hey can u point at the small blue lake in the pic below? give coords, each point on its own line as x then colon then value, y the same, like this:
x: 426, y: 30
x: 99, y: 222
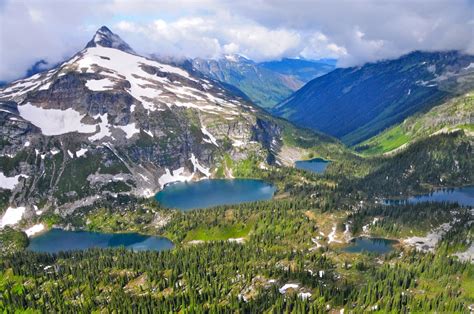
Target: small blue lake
x: 208, y: 193
x: 372, y: 245
x: 316, y: 165
x: 56, y: 240
x: 464, y: 196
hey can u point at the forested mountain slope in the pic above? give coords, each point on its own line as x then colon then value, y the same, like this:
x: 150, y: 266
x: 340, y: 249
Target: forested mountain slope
x: 302, y: 69
x: 441, y: 160
x: 454, y: 114
x: 356, y: 103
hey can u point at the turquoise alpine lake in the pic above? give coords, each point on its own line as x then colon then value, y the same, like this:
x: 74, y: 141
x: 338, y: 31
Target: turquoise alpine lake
x: 372, y: 245
x: 57, y: 240
x: 463, y: 196
x: 316, y: 165
x: 213, y: 192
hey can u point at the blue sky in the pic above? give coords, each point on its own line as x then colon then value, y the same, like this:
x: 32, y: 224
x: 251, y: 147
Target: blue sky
x: 354, y: 31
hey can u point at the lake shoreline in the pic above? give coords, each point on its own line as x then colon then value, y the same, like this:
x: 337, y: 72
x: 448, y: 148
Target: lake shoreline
x: 56, y: 240
x: 187, y: 196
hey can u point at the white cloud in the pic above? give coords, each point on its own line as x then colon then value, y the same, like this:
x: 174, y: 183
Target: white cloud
x: 35, y: 30
x: 353, y: 31
x: 207, y: 37
x: 318, y: 46
x: 389, y: 28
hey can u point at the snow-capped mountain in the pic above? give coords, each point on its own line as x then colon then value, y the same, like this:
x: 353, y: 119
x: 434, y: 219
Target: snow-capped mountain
x: 109, y: 122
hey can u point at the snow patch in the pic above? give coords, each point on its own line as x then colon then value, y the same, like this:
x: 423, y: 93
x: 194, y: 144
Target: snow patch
x: 174, y: 176
x: 9, y: 183
x: 150, y: 89
x: 236, y: 240
x: 332, y: 235
x: 231, y: 58
x: 129, y: 129
x: 212, y: 139
x: 288, y: 286
x: 238, y: 143
x: 55, y: 151
x: 148, y: 132
x: 81, y: 152
x: 100, y: 85
x: 12, y: 216
x: 304, y: 295
x: 34, y: 230
x: 104, y: 128
x: 197, y: 166
x: 55, y: 121
x: 315, y: 241
x: 194, y: 242
x: 21, y: 87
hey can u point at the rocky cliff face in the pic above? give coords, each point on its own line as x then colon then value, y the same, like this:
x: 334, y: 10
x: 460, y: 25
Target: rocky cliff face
x: 109, y: 122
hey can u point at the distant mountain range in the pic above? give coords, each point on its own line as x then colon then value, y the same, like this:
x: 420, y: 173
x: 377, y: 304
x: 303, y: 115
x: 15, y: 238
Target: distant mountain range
x: 357, y: 103
x: 266, y: 83
x: 301, y: 69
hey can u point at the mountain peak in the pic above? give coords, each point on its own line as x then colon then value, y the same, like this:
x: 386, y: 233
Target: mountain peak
x: 235, y: 57
x: 104, y: 37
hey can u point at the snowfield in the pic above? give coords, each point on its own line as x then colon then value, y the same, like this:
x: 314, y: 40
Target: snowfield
x: 20, y: 87
x: 332, y: 235
x: 81, y: 152
x: 129, y: 129
x: 34, y: 230
x: 179, y: 176
x: 100, y: 85
x: 205, y: 171
x: 145, y: 87
x: 55, y: 121
x: 211, y: 139
x: 288, y: 286
x: 104, y: 128
x: 9, y: 183
x: 174, y: 176
x: 12, y: 216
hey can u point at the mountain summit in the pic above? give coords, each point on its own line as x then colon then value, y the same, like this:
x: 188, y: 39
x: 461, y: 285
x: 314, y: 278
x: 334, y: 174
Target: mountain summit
x: 104, y: 37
